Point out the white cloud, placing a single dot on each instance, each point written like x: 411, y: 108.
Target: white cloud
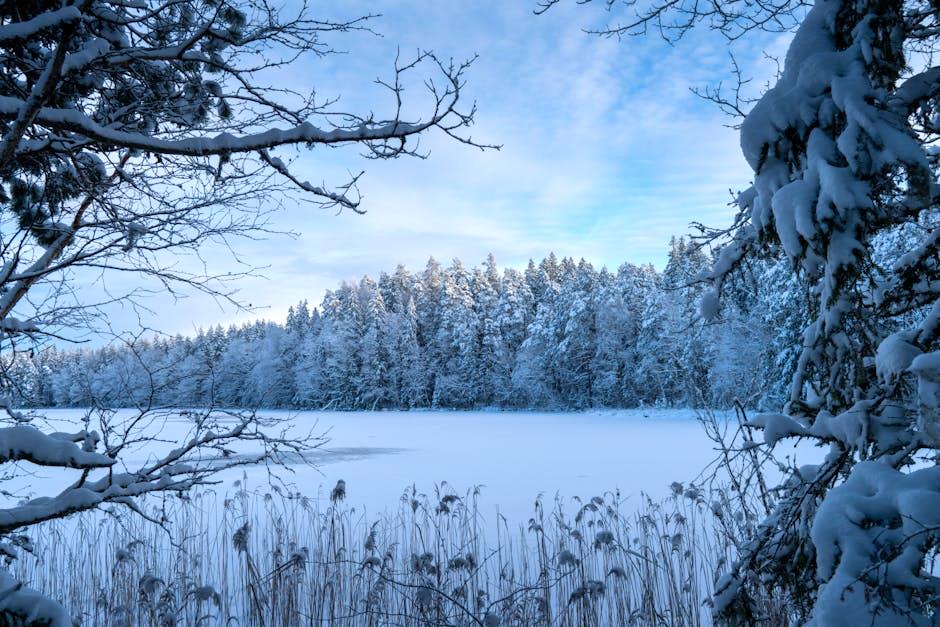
x: 605, y: 154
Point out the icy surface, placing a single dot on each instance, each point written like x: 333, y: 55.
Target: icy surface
x: 515, y: 456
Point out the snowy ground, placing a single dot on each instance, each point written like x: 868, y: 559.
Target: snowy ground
x: 514, y: 456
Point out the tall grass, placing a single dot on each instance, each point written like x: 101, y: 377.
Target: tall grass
x: 279, y: 558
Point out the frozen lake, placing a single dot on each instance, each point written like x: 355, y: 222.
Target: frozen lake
x: 513, y: 456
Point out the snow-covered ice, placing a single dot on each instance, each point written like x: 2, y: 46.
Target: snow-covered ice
x: 514, y: 456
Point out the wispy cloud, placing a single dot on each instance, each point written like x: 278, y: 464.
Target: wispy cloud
x: 606, y: 153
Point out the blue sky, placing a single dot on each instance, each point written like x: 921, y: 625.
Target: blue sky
x: 606, y: 153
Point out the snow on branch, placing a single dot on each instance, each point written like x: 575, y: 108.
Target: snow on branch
x: 135, y: 130
x: 23, y: 606
x: 843, y: 149
x: 841, y: 167
x: 27, y: 443
x: 11, y: 325
x: 366, y: 131
x: 193, y: 463
x: 877, y: 506
x: 18, y: 31
x: 134, y: 134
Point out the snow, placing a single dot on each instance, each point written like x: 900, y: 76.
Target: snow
x: 15, y: 325
x: 927, y: 369
x: 877, y: 506
x: 710, y: 305
x: 850, y: 427
x: 514, y: 456
x: 76, y: 121
x: 28, y: 606
x: 43, y: 21
x: 24, y: 442
x: 91, y: 50
x: 777, y: 427
x: 895, y: 354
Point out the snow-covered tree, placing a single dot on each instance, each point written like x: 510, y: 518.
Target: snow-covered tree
x: 408, y: 374
x: 429, y: 318
x: 615, y: 324
x: 374, y: 380
x: 844, y: 159
x: 492, y: 359
x: 516, y: 308
x: 681, y: 290
x: 575, y: 311
x: 839, y: 148
x: 457, y: 341
x: 534, y: 381
x: 593, y: 339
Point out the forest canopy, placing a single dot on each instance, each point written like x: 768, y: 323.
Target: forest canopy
x: 559, y: 334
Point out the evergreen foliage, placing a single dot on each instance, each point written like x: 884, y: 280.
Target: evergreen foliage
x: 560, y: 335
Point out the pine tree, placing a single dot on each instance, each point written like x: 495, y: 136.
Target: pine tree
x: 491, y: 359
x: 615, y: 328
x: 576, y: 342
x: 457, y: 342
x: 841, y: 160
x: 409, y: 375
x: 373, y: 381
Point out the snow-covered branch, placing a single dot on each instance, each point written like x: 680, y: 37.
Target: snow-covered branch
x: 843, y: 149
x: 131, y: 130
x: 133, y: 134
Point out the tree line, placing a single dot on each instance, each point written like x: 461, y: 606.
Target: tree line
x: 559, y: 334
